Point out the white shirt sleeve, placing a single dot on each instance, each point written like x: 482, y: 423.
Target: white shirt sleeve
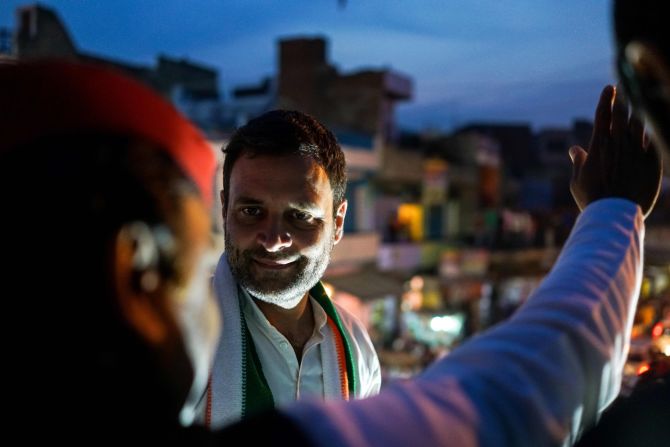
x: 536, y: 379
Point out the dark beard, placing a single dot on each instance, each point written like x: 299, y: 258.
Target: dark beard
x: 279, y: 287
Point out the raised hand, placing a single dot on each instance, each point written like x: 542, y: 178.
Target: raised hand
x: 620, y: 161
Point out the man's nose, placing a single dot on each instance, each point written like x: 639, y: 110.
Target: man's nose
x: 273, y: 236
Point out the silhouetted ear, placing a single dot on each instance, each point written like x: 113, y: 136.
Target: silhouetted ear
x: 651, y: 74
x: 339, y: 221
x: 648, y: 63
x: 138, y: 282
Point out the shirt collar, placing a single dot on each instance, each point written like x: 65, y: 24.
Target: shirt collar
x: 251, y: 310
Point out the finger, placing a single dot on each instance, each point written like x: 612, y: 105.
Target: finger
x: 655, y: 158
x: 619, y: 116
x: 617, y: 159
x: 636, y: 139
x: 603, y: 119
x: 655, y: 171
x: 578, y: 156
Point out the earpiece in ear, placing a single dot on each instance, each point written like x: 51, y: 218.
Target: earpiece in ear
x: 146, y: 281
x: 146, y: 248
x: 648, y: 67
x: 634, y: 53
x: 145, y: 259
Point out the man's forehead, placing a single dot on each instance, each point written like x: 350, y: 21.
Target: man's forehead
x: 252, y: 157
x: 298, y: 179
x: 272, y: 168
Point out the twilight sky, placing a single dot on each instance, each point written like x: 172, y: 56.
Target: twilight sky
x: 538, y: 61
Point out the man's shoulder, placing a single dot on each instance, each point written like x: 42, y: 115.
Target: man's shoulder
x: 353, y: 324
x: 348, y: 317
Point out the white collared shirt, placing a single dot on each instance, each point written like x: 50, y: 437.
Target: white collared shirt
x: 288, y: 378
x: 318, y: 375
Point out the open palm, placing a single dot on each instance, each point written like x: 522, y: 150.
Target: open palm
x: 620, y: 162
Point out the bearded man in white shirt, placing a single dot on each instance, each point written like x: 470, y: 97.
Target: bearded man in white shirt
x: 283, y: 338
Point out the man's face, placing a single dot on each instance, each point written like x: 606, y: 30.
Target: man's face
x: 279, y: 226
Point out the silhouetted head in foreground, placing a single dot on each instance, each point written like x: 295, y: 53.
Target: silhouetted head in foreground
x: 642, y: 32
x: 106, y: 190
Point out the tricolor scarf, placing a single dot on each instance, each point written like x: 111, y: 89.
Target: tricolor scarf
x: 237, y: 373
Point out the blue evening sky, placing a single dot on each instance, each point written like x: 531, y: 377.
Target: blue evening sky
x: 539, y: 61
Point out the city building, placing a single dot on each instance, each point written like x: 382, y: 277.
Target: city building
x: 192, y: 87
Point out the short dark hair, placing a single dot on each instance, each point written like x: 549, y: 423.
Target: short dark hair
x: 286, y: 132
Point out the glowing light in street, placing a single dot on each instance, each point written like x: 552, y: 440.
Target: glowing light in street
x: 445, y: 323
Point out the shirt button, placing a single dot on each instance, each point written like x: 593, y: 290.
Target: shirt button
x: 283, y: 345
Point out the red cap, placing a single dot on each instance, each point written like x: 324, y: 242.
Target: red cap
x: 51, y: 98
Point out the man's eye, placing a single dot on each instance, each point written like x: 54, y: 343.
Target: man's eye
x: 251, y: 211
x: 300, y: 215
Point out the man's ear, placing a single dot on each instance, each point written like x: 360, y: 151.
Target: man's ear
x: 648, y: 63
x: 647, y: 76
x: 652, y: 82
x: 340, y: 213
x: 138, y: 282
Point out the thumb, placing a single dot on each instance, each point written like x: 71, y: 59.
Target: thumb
x: 578, y: 157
